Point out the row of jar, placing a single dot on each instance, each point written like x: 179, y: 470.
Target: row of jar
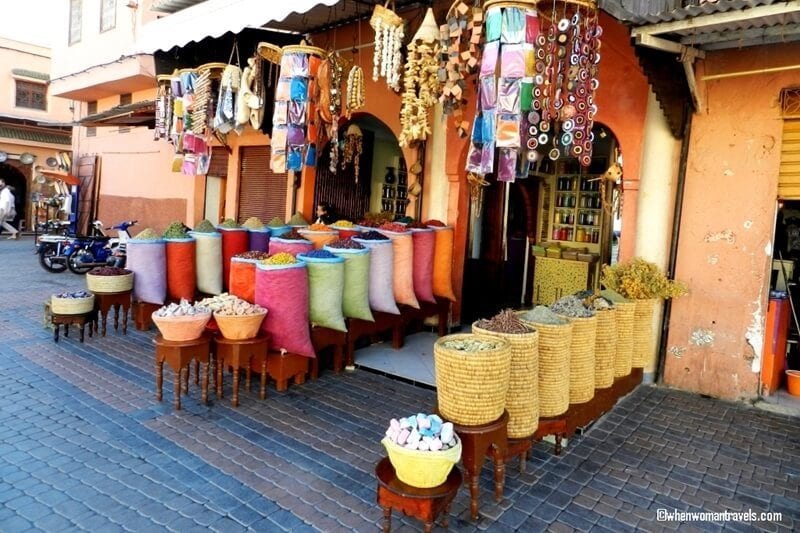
x: 587, y: 235
x: 570, y: 200
x: 584, y: 218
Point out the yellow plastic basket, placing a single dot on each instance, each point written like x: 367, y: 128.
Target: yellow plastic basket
x: 422, y: 469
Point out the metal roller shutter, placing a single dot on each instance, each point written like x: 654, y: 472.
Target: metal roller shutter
x: 262, y: 193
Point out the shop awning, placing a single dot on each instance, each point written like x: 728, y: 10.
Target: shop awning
x: 136, y: 114
x: 69, y: 179
x: 214, y: 18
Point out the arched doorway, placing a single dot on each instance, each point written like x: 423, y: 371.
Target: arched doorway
x: 499, y: 266
x: 373, y: 190
x: 15, y: 179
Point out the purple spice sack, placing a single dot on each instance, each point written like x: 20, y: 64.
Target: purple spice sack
x: 148, y: 262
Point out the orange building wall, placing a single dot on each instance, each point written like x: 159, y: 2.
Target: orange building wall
x: 717, y: 331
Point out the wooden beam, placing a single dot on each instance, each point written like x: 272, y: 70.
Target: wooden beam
x: 665, y: 45
x: 716, y: 19
x: 737, y: 36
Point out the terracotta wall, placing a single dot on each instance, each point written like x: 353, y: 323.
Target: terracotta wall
x: 155, y: 213
x: 717, y: 332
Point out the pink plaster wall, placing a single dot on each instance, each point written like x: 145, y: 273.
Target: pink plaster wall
x: 726, y: 230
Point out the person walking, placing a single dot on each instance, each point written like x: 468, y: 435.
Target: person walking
x: 8, y: 210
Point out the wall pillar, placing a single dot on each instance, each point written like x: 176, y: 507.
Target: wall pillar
x: 655, y: 205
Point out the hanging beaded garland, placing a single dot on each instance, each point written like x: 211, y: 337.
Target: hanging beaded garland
x: 353, y: 147
x: 356, y: 92
x: 389, y: 34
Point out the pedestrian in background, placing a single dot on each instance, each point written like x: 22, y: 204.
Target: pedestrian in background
x: 8, y: 211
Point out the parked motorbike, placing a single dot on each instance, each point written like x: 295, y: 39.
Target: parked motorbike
x: 85, y: 254
x: 53, y: 247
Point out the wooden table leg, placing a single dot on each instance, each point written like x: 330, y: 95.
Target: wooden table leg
x: 83, y: 326
x: 176, y: 403
x: 159, y: 379
x: 428, y: 527
x: 235, y: 399
x: 220, y: 378
x: 124, y: 320
x: 204, y: 387
x: 66, y: 331
x: 56, y: 327
x: 184, y: 375
x: 499, y: 474
x: 446, y: 517
x: 263, y: 392
x: 247, y: 376
x: 387, y: 519
x: 196, y: 372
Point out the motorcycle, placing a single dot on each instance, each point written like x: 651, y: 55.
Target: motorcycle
x: 53, y: 247
x: 85, y: 254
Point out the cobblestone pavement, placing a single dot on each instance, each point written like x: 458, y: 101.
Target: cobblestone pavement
x: 84, y: 445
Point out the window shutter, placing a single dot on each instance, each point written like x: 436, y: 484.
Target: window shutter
x: 789, y: 174
x: 262, y: 193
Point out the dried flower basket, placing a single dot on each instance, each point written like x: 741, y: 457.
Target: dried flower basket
x: 422, y: 469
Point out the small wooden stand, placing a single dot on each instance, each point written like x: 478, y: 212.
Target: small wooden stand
x: 286, y: 366
x: 440, y: 309
x: 519, y: 448
x: 357, y: 328
x: 178, y: 355
x: 323, y: 338
x: 79, y: 320
x: 422, y: 504
x: 477, y: 442
x: 238, y: 354
x: 105, y: 301
x: 142, y: 315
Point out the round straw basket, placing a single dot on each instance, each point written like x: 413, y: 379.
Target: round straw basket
x: 107, y: 284
x: 625, y: 319
x: 522, y: 398
x: 471, y: 387
x: 554, y: 345
x: 581, y: 361
x: 71, y: 306
x: 605, y: 348
x: 643, y: 331
x: 386, y: 16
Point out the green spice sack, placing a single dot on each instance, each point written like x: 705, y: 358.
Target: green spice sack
x: 325, y: 291
x: 208, y: 258
x: 355, y: 301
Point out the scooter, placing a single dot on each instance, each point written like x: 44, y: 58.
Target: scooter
x: 53, y: 248
x: 84, y: 255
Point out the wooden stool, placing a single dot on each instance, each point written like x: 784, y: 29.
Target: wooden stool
x: 285, y: 366
x: 142, y: 315
x: 323, y: 338
x: 477, y: 442
x: 554, y: 425
x: 439, y: 309
x: 105, y: 301
x: 178, y: 355
x: 519, y: 448
x: 357, y: 328
x: 239, y: 354
x: 79, y: 320
x: 423, y: 504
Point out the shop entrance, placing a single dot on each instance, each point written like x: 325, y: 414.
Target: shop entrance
x: 19, y: 186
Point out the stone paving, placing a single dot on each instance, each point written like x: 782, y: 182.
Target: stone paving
x: 84, y: 445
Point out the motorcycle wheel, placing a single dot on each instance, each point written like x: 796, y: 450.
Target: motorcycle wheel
x: 46, y: 256
x: 76, y: 265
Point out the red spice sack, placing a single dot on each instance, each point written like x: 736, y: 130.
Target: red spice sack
x: 283, y: 290
x: 181, y: 277
x: 424, y: 244
x: 243, y: 278
x: 234, y: 241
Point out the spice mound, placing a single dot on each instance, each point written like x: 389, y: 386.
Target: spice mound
x: 148, y: 234
x: 405, y: 219
x: 505, y: 321
x: 229, y: 305
x: 373, y: 235
x: 282, y: 258
x: 391, y: 226
x: 229, y: 223
x: 343, y: 224
x: 182, y: 309
x: 613, y: 296
x: 346, y: 243
x: 422, y: 432
x: 435, y: 223
x: 416, y: 225
x: 297, y: 220
x: 109, y: 271
x: 369, y: 223
x: 205, y: 227
x: 253, y: 223
x: 176, y: 230
x: 276, y: 222
x: 471, y: 345
x: 254, y: 254
x: 572, y: 306
x: 320, y: 254
x: 74, y: 295
x: 543, y: 315
x: 319, y: 227
x: 292, y: 235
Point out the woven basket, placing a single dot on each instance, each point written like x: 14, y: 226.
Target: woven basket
x: 239, y: 328
x: 471, y: 387
x: 423, y: 470
x: 554, y: 356
x: 522, y: 398
x: 71, y: 306
x: 107, y: 284
x: 605, y: 348
x: 386, y: 16
x: 643, y: 332
x: 625, y: 321
x: 582, y: 359
x: 181, y: 328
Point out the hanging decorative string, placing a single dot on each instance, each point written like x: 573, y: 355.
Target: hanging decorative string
x: 389, y: 34
x: 536, y: 85
x: 353, y: 147
x: 420, y: 82
x: 356, y: 92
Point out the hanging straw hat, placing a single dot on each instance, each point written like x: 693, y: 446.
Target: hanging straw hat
x: 270, y: 52
x: 428, y: 31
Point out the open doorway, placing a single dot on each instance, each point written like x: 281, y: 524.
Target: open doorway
x: 18, y: 184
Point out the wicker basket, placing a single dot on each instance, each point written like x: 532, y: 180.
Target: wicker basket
x: 471, y: 387
x: 109, y: 284
x: 605, y: 348
x: 239, y: 327
x: 554, y: 356
x: 581, y: 361
x: 625, y: 321
x: 423, y: 470
x: 181, y: 328
x: 522, y: 398
x: 643, y: 331
x: 71, y: 306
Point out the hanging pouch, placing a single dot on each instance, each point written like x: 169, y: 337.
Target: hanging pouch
x: 509, y: 90
x: 489, y: 126
x: 531, y: 26
x: 508, y: 131
x: 298, y: 89
x: 279, y: 135
x: 488, y: 89
x: 278, y: 161
x: 489, y: 58
x: 512, y: 61
x: 526, y: 95
x: 513, y: 31
x: 311, y: 156
x: 474, y: 158
x: 296, y: 64
x: 294, y: 158
x: 477, y: 129
x: 487, y: 158
x: 296, y: 135
x: 507, y: 165
x: 493, y: 25
x: 297, y: 113
x: 280, y: 114
x: 530, y: 59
